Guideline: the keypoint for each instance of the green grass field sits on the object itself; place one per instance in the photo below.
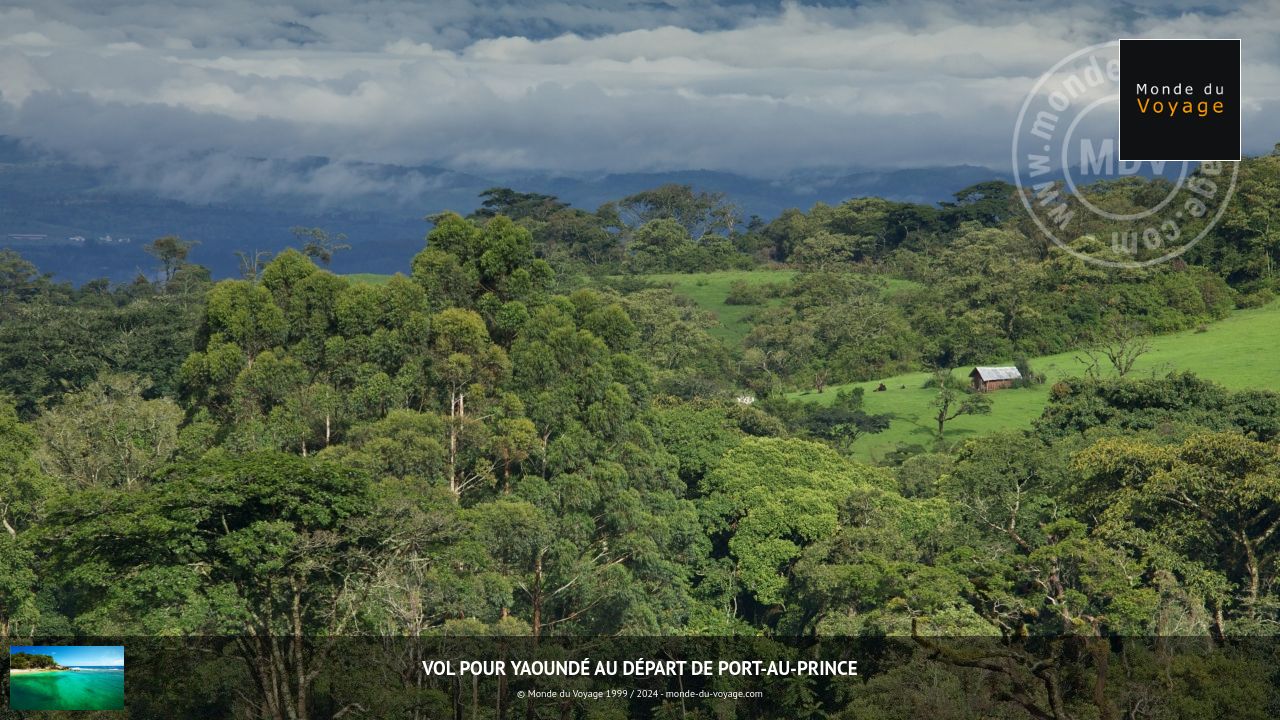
(369, 278)
(709, 290)
(1238, 352)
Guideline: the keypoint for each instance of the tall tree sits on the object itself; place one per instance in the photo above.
(23, 488)
(1213, 501)
(517, 205)
(769, 498)
(698, 212)
(19, 279)
(108, 435)
(171, 251)
(318, 244)
(268, 548)
(246, 314)
(954, 400)
(467, 364)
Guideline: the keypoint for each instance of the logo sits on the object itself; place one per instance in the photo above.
(1087, 201)
(1180, 99)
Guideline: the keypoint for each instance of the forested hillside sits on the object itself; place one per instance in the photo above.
(530, 433)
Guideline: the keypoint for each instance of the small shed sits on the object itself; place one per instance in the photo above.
(986, 379)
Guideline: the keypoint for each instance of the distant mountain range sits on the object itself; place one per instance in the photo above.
(82, 221)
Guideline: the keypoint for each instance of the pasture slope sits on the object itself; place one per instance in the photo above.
(1242, 351)
(709, 290)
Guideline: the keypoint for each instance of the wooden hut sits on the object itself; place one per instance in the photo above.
(986, 379)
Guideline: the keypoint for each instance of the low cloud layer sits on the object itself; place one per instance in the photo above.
(754, 88)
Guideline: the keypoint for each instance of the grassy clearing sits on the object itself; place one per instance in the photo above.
(369, 278)
(709, 290)
(1238, 352)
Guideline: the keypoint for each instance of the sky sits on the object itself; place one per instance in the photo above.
(758, 88)
(76, 655)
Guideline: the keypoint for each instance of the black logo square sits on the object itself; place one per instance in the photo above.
(1179, 99)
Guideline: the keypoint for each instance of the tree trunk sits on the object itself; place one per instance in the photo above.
(502, 696)
(1100, 648)
(457, 412)
(457, 698)
(1219, 633)
(300, 668)
(536, 597)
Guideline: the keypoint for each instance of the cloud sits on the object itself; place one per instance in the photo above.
(752, 87)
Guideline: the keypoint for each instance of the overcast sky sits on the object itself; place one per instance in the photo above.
(753, 87)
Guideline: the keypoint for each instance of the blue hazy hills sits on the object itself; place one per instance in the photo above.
(81, 221)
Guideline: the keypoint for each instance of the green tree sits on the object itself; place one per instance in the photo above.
(1122, 342)
(467, 266)
(1210, 502)
(1245, 244)
(825, 251)
(1179, 400)
(171, 251)
(1038, 576)
(579, 235)
(769, 498)
(246, 314)
(517, 205)
(844, 421)
(987, 202)
(19, 279)
(697, 212)
(52, 344)
(951, 401)
(269, 548)
(655, 245)
(18, 586)
(673, 335)
(318, 244)
(108, 435)
(406, 444)
(23, 493)
(879, 572)
(466, 363)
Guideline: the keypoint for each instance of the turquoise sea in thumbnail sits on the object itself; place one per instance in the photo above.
(84, 688)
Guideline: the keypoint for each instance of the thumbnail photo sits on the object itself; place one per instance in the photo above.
(66, 677)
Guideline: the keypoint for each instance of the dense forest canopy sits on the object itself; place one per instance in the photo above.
(525, 434)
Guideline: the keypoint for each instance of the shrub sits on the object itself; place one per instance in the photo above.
(1030, 378)
(1255, 299)
(743, 293)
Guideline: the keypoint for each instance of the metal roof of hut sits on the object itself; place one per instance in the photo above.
(996, 373)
